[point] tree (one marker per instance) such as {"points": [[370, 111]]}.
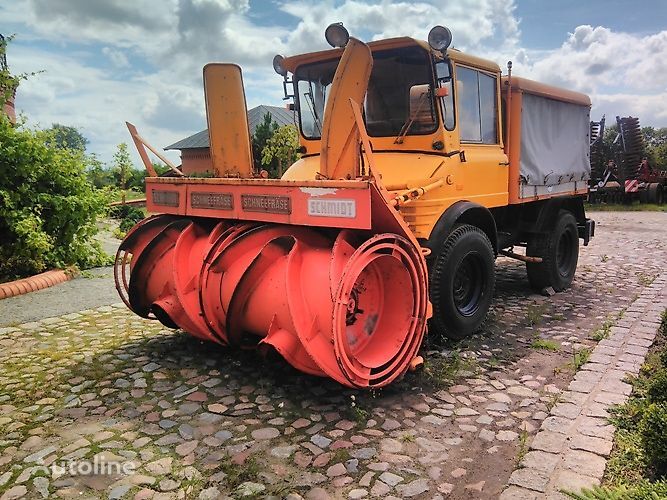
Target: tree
{"points": [[98, 175], [48, 209], [263, 133], [65, 137], [123, 166], [9, 82], [281, 149], [656, 146]]}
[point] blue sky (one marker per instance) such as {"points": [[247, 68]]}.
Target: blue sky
{"points": [[109, 61]]}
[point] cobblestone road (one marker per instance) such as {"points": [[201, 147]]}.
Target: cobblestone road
{"points": [[194, 420]]}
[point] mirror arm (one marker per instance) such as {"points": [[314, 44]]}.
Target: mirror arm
{"points": [[287, 81]]}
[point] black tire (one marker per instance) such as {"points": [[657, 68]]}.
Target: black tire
{"points": [[462, 283], [559, 250]]}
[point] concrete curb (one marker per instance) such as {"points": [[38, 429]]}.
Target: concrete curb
{"points": [[33, 283], [571, 449]]}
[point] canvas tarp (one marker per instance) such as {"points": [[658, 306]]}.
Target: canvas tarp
{"points": [[554, 142]]}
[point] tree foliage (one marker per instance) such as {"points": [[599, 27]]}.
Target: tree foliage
{"points": [[122, 167], [9, 81], [281, 150], [263, 133], [65, 137], [656, 146], [48, 209], [655, 142]]}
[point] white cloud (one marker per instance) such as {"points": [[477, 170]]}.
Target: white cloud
{"points": [[117, 57], [625, 74]]}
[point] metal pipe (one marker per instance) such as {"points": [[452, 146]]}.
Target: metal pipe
{"points": [[508, 109], [522, 258], [413, 194]]}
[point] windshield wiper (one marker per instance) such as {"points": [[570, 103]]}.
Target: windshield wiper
{"points": [[411, 119], [313, 107]]}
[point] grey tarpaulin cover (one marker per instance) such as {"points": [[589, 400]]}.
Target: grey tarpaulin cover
{"points": [[554, 141]]}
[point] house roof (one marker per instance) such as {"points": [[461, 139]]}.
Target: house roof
{"points": [[255, 116]]}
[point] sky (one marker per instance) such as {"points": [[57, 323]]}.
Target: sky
{"points": [[105, 62]]}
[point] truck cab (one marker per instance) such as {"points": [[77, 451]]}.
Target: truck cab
{"points": [[429, 116]]}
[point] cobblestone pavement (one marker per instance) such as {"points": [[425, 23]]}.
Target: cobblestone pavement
{"points": [[570, 450], [195, 420]]}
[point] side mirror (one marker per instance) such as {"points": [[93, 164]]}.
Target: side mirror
{"points": [[442, 70]]}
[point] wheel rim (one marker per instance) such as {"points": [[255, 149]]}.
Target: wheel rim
{"points": [[468, 285], [564, 253]]}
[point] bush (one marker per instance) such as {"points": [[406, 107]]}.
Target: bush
{"points": [[48, 209], [653, 428], [128, 216], [642, 490], [657, 389]]}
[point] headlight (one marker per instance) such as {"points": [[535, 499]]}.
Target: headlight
{"points": [[439, 38], [336, 35], [279, 65]]}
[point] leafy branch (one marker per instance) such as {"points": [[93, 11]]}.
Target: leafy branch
{"points": [[9, 82]]}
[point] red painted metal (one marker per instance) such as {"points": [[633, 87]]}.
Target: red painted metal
{"points": [[324, 272], [347, 304], [282, 202], [631, 185]]}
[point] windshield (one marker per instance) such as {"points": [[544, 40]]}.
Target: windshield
{"points": [[312, 84], [399, 96]]}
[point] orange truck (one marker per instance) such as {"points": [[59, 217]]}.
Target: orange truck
{"points": [[419, 166]]}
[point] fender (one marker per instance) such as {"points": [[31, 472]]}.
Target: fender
{"points": [[462, 212]]}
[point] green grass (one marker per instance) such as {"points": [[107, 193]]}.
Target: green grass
{"points": [[602, 332], [645, 279], [341, 455], [237, 474], [442, 372], [554, 399], [619, 207], [580, 358], [129, 195], [545, 345], [629, 464], [523, 447], [634, 470], [408, 438], [535, 313]]}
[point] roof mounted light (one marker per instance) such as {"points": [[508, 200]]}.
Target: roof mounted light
{"points": [[439, 38], [279, 65], [336, 35]]}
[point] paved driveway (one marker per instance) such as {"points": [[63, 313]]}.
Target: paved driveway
{"points": [[100, 387]]}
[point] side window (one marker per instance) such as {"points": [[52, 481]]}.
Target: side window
{"points": [[489, 108], [444, 76], [478, 109], [467, 93]]}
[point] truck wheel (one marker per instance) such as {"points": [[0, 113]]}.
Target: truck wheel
{"points": [[559, 250], [462, 283]]}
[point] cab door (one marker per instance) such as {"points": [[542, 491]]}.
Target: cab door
{"points": [[484, 165]]}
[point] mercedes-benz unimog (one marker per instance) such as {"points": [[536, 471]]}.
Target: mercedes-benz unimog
{"points": [[419, 165]]}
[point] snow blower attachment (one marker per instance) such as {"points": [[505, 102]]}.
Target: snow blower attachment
{"points": [[324, 272]]}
